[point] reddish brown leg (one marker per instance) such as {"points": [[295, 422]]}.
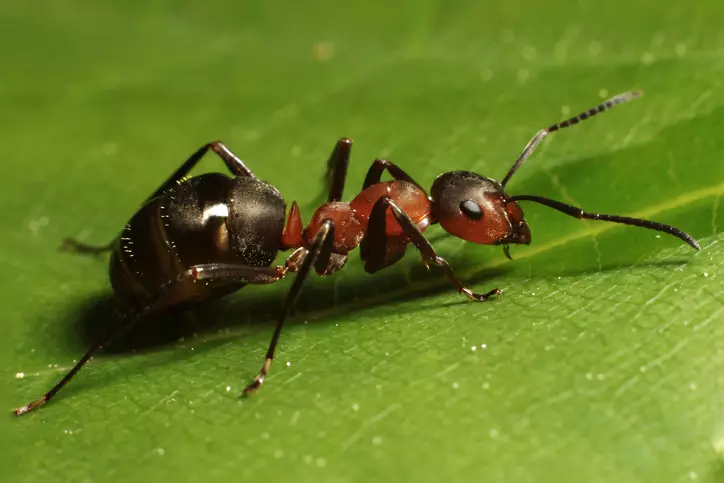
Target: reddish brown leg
{"points": [[377, 229]]}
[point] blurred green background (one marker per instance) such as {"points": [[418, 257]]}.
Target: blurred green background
{"points": [[603, 362]]}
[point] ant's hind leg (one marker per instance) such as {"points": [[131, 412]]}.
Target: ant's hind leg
{"points": [[210, 271], [72, 245], [233, 163], [112, 334], [231, 160]]}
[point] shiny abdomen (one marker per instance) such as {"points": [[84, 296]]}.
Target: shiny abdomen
{"points": [[205, 219]]}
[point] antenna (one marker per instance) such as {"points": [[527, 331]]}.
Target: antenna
{"points": [[625, 220], [533, 143]]}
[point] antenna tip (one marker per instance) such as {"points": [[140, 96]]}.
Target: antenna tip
{"points": [[628, 96]]}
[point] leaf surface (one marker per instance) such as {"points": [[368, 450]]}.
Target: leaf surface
{"points": [[603, 362]]}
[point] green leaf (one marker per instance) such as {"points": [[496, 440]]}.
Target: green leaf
{"points": [[602, 362]]}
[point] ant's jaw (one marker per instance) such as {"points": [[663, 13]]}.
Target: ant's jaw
{"points": [[520, 235]]}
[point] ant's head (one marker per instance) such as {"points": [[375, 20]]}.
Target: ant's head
{"points": [[476, 209]]}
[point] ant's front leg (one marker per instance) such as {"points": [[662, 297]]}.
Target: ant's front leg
{"points": [[378, 252]]}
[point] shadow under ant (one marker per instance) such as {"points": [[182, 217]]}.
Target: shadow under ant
{"points": [[256, 307], [256, 311]]}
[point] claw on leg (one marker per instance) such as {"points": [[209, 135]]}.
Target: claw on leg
{"points": [[259, 379], [29, 407], [482, 297]]}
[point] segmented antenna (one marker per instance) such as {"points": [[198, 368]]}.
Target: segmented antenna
{"points": [[625, 220], [604, 106], [533, 143]]}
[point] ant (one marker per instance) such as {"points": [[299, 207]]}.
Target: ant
{"points": [[207, 236]]}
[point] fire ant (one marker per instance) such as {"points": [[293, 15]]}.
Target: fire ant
{"points": [[225, 232]]}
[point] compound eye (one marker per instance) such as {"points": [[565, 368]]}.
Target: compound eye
{"points": [[471, 209]]}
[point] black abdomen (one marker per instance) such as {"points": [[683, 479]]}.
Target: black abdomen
{"points": [[208, 218]]}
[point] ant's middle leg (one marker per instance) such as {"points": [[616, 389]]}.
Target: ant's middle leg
{"points": [[233, 163], [318, 252], [337, 169], [380, 253]]}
